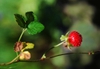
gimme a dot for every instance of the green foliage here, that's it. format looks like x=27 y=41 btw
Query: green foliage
x=32 y=24
x=35 y=18
x=20 y=20
x=35 y=27
x=30 y=17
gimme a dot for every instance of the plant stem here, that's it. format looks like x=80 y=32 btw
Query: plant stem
x=20 y=38
x=14 y=60
x=55 y=46
x=21 y=34
x=38 y=60
x=51 y=49
x=59 y=44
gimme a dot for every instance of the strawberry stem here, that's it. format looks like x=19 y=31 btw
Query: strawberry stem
x=51 y=49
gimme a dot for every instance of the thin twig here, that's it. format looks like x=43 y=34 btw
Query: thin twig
x=52 y=48
x=38 y=60
x=8 y=63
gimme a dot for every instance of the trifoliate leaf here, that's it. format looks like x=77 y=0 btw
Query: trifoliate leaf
x=20 y=20
x=35 y=27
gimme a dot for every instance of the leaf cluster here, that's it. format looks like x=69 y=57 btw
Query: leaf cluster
x=30 y=23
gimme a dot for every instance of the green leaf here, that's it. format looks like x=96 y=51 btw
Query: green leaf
x=20 y=20
x=35 y=27
x=35 y=18
x=29 y=16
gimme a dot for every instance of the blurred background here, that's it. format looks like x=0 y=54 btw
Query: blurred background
x=58 y=17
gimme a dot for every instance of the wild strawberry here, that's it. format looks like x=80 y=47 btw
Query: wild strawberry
x=74 y=38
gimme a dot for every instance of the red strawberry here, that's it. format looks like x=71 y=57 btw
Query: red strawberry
x=75 y=38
